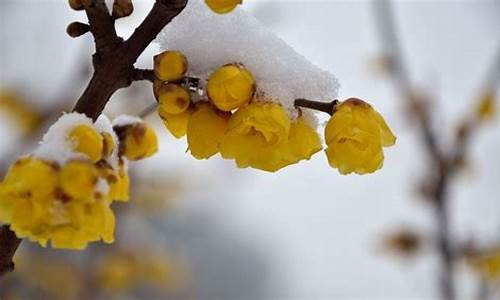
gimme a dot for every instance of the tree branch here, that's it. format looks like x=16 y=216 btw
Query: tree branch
x=113 y=63
x=8 y=246
x=399 y=74
x=142 y=74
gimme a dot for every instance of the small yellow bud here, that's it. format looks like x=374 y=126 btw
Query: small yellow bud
x=78 y=179
x=486 y=108
x=176 y=124
x=355 y=135
x=108 y=144
x=173 y=99
x=137 y=141
x=230 y=87
x=222 y=6
x=205 y=130
x=170 y=65
x=88 y=141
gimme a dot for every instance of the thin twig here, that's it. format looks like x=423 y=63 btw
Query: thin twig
x=399 y=74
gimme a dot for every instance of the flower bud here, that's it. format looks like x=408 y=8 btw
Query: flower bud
x=173 y=99
x=230 y=87
x=205 y=130
x=88 y=141
x=78 y=179
x=76 y=29
x=170 y=65
x=222 y=6
x=122 y=8
x=76 y=4
x=137 y=141
x=355 y=135
x=486 y=108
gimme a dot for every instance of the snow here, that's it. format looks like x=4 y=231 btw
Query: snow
x=281 y=73
x=55 y=145
x=124 y=120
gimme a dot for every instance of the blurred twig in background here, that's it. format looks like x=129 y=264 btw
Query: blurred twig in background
x=443 y=163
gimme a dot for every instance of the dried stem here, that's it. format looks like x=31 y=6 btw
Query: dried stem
x=399 y=74
x=327 y=107
x=113 y=63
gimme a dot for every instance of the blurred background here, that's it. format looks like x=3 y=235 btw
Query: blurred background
x=207 y=230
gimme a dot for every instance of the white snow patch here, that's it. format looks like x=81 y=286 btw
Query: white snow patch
x=124 y=120
x=102 y=186
x=210 y=40
x=55 y=145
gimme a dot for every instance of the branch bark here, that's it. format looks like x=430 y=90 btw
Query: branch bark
x=113 y=63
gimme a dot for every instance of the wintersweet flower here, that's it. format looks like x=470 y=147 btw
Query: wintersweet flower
x=257 y=137
x=137 y=140
x=39 y=203
x=170 y=65
x=222 y=6
x=230 y=87
x=205 y=130
x=88 y=141
x=355 y=135
x=176 y=124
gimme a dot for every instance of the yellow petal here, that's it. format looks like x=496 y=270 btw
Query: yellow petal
x=230 y=87
x=88 y=141
x=176 y=124
x=205 y=130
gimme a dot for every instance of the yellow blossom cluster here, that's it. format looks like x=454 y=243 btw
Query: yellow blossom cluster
x=222 y=6
x=14 y=107
x=231 y=119
x=69 y=202
x=229 y=116
x=486 y=265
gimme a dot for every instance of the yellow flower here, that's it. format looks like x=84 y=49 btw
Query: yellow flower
x=205 y=130
x=176 y=124
x=222 y=6
x=355 y=135
x=487 y=265
x=230 y=87
x=41 y=203
x=79 y=179
x=137 y=141
x=173 y=99
x=257 y=137
x=170 y=65
x=486 y=109
x=28 y=178
x=88 y=141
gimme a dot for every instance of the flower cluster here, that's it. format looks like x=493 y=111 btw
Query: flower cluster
x=63 y=191
x=229 y=118
x=227 y=114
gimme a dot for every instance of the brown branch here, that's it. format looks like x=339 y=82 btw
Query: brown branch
x=400 y=77
x=8 y=246
x=113 y=64
x=327 y=107
x=141 y=74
